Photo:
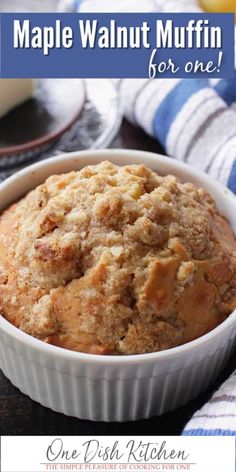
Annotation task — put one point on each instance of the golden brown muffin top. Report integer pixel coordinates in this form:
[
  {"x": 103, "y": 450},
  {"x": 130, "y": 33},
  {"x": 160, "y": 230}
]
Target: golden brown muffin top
[{"x": 116, "y": 260}]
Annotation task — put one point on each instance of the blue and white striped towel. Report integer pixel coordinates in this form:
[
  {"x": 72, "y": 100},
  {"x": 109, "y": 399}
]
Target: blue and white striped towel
[
  {"x": 195, "y": 120},
  {"x": 218, "y": 416}
]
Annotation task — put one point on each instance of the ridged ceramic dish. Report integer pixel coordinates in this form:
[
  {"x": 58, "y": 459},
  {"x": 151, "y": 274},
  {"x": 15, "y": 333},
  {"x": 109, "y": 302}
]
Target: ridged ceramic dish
[{"x": 114, "y": 388}]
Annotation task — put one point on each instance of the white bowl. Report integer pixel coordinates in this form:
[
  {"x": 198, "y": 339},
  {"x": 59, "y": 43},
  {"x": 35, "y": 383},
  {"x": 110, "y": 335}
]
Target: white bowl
[{"x": 114, "y": 388}]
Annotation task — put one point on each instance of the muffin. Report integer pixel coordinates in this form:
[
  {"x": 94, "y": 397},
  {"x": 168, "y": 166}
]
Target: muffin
[{"x": 116, "y": 260}]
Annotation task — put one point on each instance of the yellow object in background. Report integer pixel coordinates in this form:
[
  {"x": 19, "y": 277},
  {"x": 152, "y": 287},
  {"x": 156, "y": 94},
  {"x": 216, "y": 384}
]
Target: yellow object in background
[{"x": 219, "y": 6}]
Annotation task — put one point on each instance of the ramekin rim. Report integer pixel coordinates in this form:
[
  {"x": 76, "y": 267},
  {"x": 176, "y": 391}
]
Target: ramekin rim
[
  {"x": 56, "y": 351},
  {"x": 76, "y": 155}
]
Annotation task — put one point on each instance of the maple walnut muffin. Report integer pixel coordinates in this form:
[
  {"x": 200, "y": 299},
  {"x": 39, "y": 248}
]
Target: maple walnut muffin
[{"x": 116, "y": 260}]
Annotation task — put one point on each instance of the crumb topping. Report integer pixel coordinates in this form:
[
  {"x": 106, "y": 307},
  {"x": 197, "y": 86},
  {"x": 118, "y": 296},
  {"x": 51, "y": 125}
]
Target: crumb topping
[{"x": 116, "y": 260}]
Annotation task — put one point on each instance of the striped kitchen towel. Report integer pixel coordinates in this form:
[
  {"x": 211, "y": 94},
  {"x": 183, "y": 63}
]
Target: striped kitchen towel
[
  {"x": 195, "y": 120},
  {"x": 218, "y": 416}
]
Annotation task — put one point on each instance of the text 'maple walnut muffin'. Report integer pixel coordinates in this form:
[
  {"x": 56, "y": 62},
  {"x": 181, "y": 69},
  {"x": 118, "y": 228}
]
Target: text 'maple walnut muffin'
[{"x": 116, "y": 260}]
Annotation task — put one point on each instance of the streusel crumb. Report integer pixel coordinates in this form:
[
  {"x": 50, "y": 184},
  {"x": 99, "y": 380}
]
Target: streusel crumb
[{"x": 116, "y": 260}]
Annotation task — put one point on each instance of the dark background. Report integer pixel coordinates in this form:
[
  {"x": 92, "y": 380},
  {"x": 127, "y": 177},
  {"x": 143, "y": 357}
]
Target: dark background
[{"x": 21, "y": 416}]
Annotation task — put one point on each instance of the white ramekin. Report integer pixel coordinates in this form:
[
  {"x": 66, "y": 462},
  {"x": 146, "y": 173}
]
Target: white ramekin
[{"x": 114, "y": 388}]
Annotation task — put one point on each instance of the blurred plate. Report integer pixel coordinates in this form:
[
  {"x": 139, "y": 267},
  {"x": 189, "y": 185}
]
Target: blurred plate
[
  {"x": 95, "y": 126},
  {"x": 55, "y": 106}
]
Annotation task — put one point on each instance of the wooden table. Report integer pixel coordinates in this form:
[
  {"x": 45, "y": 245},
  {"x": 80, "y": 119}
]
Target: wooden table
[{"x": 19, "y": 414}]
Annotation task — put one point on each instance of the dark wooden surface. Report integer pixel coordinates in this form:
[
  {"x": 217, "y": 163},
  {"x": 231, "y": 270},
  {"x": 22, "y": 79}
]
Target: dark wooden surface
[{"x": 19, "y": 414}]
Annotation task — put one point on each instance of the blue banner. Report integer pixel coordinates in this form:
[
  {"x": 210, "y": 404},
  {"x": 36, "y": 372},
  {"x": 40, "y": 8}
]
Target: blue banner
[{"x": 117, "y": 45}]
